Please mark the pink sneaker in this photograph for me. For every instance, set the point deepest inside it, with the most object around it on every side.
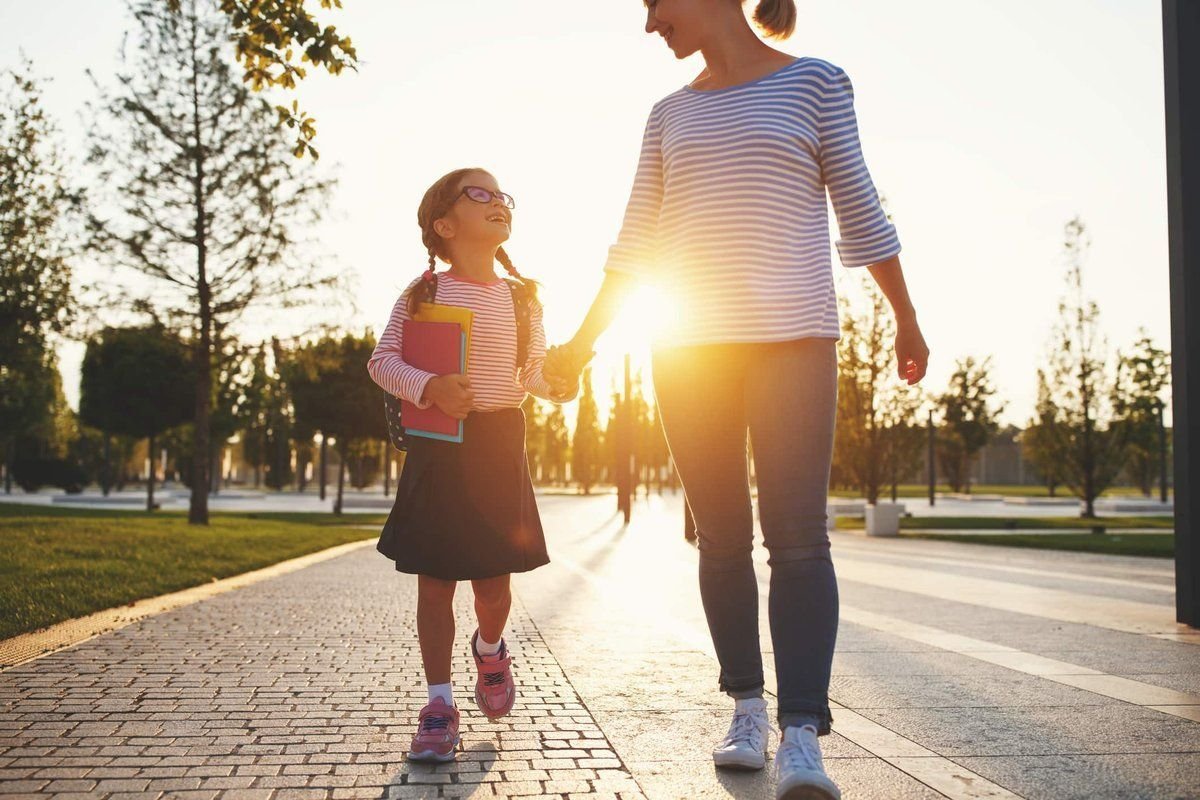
(495, 691)
(437, 737)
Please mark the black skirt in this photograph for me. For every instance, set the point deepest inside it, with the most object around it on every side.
(467, 511)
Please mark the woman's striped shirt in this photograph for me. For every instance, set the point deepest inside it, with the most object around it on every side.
(728, 211)
(492, 361)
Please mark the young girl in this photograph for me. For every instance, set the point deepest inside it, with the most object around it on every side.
(467, 511)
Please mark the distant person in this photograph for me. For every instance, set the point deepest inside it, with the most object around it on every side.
(467, 511)
(728, 216)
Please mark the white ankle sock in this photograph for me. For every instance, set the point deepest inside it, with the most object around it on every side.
(486, 648)
(442, 690)
(746, 704)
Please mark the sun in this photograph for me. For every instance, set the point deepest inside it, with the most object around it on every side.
(647, 313)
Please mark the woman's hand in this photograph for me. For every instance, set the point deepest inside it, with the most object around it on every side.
(912, 354)
(565, 362)
(452, 394)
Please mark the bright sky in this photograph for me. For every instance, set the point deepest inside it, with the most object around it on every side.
(987, 125)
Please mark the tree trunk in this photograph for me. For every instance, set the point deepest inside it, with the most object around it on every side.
(387, 470)
(150, 480)
(106, 481)
(8, 465)
(198, 506)
(321, 466)
(341, 483)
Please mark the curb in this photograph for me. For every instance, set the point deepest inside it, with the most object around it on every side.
(29, 646)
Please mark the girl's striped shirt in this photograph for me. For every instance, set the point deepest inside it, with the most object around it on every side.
(728, 211)
(491, 363)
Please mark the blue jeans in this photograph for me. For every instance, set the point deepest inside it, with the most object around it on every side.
(785, 394)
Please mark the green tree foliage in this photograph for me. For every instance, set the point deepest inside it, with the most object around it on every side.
(969, 413)
(1038, 441)
(585, 449)
(332, 393)
(194, 189)
(1083, 440)
(135, 382)
(35, 279)
(1139, 399)
(275, 39)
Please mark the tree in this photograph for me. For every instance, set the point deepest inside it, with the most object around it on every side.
(203, 199)
(557, 445)
(1037, 440)
(253, 415)
(535, 437)
(969, 420)
(1143, 377)
(585, 449)
(267, 34)
(1082, 438)
(333, 394)
(904, 437)
(35, 279)
(134, 382)
(871, 399)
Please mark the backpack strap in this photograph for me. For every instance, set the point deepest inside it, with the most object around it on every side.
(523, 313)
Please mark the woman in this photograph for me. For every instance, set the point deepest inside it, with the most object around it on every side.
(728, 213)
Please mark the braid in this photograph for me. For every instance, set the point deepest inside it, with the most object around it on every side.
(528, 285)
(424, 291)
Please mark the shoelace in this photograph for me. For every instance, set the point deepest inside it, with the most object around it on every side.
(806, 755)
(493, 679)
(434, 724)
(743, 729)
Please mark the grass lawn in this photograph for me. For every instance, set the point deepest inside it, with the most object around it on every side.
(1076, 534)
(61, 563)
(922, 490)
(1163, 523)
(1159, 545)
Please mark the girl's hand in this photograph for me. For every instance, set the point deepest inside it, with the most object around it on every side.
(566, 362)
(452, 394)
(561, 387)
(912, 354)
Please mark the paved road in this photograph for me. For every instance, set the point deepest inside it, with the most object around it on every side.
(962, 671)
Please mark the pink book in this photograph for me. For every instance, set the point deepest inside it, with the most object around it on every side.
(440, 348)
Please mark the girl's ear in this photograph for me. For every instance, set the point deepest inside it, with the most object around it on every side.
(443, 228)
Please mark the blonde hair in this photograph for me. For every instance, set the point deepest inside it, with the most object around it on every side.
(777, 18)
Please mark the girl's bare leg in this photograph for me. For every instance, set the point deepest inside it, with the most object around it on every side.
(435, 626)
(493, 600)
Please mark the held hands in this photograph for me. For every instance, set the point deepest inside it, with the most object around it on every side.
(452, 394)
(912, 354)
(563, 366)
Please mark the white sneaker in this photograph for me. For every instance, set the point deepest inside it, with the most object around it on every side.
(745, 746)
(799, 773)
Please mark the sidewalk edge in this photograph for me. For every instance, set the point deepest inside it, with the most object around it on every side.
(26, 647)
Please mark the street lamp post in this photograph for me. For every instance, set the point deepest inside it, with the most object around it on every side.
(932, 467)
(1181, 56)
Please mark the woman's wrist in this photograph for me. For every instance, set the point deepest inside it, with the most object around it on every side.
(906, 317)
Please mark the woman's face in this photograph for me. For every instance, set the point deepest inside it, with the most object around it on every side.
(683, 24)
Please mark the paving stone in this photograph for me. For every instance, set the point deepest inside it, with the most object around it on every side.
(1163, 776)
(263, 693)
(963, 732)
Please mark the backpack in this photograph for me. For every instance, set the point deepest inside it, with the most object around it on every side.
(391, 404)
